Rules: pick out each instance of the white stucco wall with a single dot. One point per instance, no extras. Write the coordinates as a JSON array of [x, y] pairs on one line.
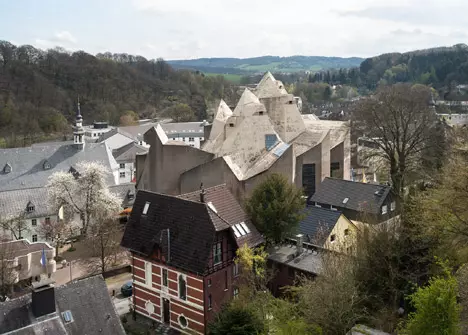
[[195, 143]]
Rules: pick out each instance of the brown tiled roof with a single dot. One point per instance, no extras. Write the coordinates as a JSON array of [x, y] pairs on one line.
[[229, 210]]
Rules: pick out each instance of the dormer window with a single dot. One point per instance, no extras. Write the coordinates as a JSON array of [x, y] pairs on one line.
[[145, 209], [30, 207], [231, 125], [46, 165], [7, 168]]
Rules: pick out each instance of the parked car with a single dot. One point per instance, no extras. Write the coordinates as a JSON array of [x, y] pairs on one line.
[[127, 289]]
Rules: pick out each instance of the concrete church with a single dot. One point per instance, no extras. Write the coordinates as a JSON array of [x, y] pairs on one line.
[[264, 134]]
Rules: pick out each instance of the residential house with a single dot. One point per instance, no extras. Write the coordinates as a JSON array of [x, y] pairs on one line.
[[80, 307], [125, 157], [264, 134], [24, 260], [182, 255], [97, 129], [29, 207], [359, 202], [320, 231], [191, 133]]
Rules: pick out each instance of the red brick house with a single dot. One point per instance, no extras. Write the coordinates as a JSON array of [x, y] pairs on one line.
[[182, 254]]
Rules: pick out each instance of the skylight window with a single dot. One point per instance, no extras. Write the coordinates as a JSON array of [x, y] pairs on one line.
[[236, 232], [247, 230], [67, 316], [345, 200], [145, 209], [212, 207], [241, 230]]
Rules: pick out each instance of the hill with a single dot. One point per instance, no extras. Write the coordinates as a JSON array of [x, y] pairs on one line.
[[248, 66], [39, 89]]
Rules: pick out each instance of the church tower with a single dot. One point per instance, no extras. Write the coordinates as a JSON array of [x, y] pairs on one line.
[[78, 131]]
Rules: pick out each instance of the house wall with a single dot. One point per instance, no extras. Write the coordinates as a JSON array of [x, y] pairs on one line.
[[34, 231], [152, 293], [284, 276], [30, 266], [192, 140], [342, 243], [128, 170], [142, 180]]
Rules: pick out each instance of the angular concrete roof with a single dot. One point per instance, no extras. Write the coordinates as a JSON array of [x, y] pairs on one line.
[[269, 87], [248, 105], [223, 113]]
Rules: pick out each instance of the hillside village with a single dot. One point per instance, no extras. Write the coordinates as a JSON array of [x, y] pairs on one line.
[[261, 216]]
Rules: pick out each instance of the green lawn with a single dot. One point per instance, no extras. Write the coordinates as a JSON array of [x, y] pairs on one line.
[[235, 78]]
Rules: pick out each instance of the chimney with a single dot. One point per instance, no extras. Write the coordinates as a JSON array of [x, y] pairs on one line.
[[202, 195], [43, 298], [299, 242]]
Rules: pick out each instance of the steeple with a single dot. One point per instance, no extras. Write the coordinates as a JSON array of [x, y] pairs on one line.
[[78, 132]]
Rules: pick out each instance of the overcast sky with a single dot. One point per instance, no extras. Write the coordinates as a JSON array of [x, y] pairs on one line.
[[181, 29]]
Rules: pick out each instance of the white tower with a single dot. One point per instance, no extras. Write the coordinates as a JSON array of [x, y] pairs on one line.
[[78, 132]]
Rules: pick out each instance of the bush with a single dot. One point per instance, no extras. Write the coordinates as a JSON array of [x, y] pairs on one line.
[[236, 320]]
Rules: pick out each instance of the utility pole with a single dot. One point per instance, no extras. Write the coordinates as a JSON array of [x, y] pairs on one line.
[[71, 270]]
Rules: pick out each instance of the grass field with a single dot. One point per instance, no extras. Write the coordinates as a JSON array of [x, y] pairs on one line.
[[235, 78]]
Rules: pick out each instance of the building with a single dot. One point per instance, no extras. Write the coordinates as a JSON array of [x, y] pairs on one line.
[[182, 255], [264, 134], [31, 207], [30, 167], [191, 133], [125, 157], [79, 307], [97, 129], [359, 202], [454, 119], [24, 260]]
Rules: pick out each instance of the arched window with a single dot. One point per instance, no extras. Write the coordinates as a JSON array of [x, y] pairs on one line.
[[182, 288]]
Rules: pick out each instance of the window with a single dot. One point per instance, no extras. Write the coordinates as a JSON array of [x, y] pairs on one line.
[[225, 280], [235, 292], [291, 272], [217, 253], [67, 316], [182, 288], [332, 238], [260, 113], [34, 238], [235, 269], [191, 139], [346, 232], [393, 206], [270, 141], [122, 174], [145, 209], [209, 282], [164, 280], [209, 302], [148, 274], [47, 220], [34, 222], [122, 165], [345, 200], [30, 208], [384, 209], [183, 139], [231, 125]]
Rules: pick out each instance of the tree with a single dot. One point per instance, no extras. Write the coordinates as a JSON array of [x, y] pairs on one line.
[[15, 225], [104, 238], [437, 311], [275, 208], [53, 231], [129, 118], [8, 272], [400, 120], [180, 113], [236, 320], [85, 193]]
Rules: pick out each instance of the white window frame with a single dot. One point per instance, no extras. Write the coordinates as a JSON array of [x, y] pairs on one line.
[[148, 274], [180, 323], [34, 238], [164, 286], [392, 206], [122, 174], [214, 251], [384, 209], [34, 222], [122, 166]]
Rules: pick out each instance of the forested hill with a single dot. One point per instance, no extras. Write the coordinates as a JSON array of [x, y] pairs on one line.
[[246, 66], [39, 89], [439, 67]]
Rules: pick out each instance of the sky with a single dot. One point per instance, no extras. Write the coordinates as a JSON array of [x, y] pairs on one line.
[[185, 29]]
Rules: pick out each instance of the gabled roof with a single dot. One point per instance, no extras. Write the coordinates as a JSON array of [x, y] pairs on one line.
[[125, 192], [28, 163], [183, 129], [113, 132], [269, 87], [248, 105], [191, 226], [88, 301], [13, 203], [229, 210], [361, 197], [317, 224], [128, 152]]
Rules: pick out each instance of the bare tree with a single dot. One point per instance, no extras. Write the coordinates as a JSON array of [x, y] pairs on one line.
[[15, 225], [85, 193], [54, 231], [8, 271], [399, 117]]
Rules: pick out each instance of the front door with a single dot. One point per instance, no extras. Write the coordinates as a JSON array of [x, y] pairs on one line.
[[166, 311]]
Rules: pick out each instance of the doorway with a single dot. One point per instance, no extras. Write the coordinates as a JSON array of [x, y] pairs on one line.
[[166, 311]]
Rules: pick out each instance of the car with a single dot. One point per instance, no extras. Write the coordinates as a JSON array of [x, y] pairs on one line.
[[127, 289]]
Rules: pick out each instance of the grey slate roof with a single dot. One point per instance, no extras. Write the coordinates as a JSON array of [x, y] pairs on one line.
[[27, 164], [13, 203], [183, 129], [126, 192], [361, 196], [318, 224], [309, 261], [112, 132], [128, 152], [88, 301]]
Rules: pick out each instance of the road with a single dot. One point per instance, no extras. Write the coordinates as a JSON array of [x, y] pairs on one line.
[[122, 304]]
